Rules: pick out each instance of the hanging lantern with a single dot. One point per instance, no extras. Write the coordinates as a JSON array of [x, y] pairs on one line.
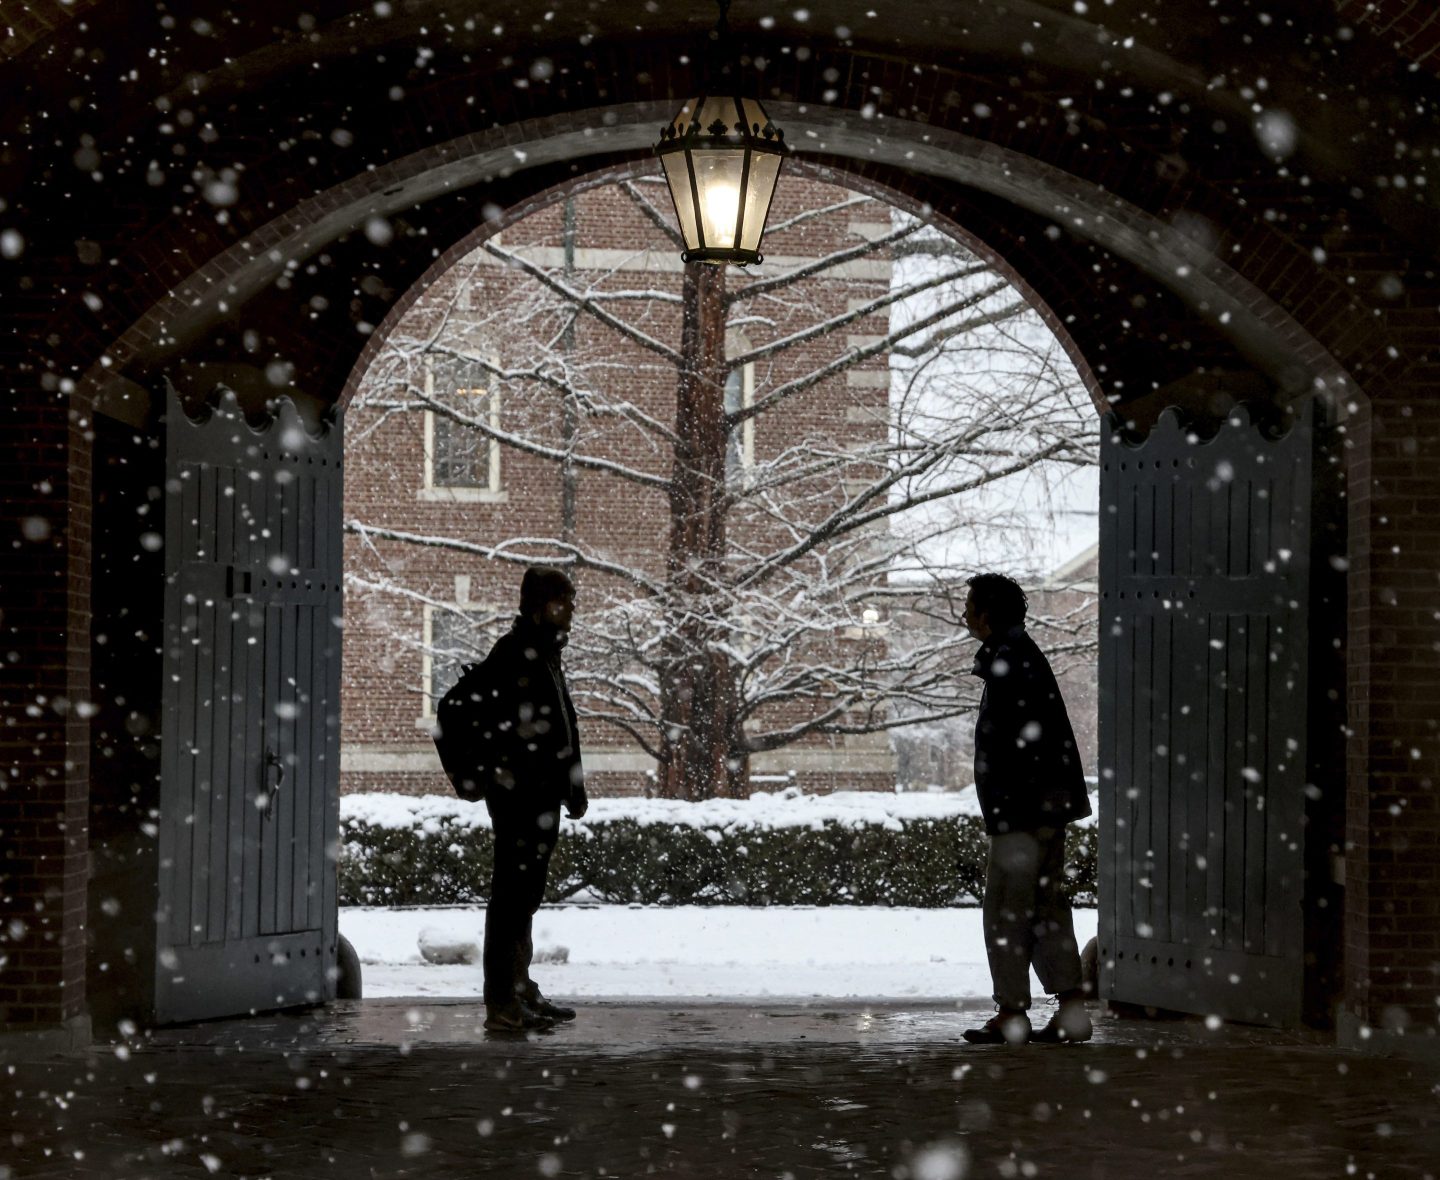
[[722, 158]]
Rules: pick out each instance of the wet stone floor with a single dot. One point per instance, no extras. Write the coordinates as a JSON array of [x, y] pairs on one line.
[[378, 1089]]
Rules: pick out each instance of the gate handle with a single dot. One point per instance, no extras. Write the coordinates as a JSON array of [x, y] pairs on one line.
[[271, 759]]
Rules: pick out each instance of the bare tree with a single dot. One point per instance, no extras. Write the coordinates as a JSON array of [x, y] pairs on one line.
[[800, 505]]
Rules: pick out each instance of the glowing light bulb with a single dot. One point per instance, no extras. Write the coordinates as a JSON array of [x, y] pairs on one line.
[[722, 204]]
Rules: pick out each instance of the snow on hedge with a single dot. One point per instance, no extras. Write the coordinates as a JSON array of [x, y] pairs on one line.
[[764, 809]]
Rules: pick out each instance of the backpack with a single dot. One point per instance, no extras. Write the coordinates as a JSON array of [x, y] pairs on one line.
[[461, 732]]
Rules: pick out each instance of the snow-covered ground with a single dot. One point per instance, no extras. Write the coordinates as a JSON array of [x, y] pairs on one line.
[[712, 952], [634, 952]]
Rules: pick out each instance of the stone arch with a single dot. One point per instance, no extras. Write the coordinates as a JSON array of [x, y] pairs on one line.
[[1011, 121]]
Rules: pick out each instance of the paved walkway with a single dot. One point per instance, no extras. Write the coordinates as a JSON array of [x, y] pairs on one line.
[[389, 1088]]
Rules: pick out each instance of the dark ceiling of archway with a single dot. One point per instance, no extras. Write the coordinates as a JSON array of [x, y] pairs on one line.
[[1132, 331], [185, 126]]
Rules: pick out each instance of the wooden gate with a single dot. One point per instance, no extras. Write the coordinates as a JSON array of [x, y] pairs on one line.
[[1205, 569], [250, 713]]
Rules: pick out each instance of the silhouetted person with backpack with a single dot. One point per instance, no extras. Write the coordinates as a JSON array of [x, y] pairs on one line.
[[1030, 784], [507, 733]]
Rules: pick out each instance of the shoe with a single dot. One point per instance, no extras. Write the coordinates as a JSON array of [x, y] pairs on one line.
[[553, 1011], [515, 1017], [1004, 1028], [1070, 1025]]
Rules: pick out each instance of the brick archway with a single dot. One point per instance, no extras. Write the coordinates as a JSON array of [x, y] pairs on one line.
[[1100, 153], [970, 182]]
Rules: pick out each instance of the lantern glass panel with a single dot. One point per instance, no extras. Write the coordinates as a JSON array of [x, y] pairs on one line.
[[760, 188], [718, 173], [677, 177], [712, 108], [753, 114]]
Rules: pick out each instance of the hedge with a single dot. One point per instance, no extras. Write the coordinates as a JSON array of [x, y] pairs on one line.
[[930, 862]]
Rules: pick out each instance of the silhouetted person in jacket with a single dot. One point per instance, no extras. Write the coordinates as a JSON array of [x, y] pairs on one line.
[[519, 746], [1030, 784]]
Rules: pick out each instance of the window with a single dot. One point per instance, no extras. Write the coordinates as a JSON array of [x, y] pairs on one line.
[[454, 636], [740, 447], [461, 462]]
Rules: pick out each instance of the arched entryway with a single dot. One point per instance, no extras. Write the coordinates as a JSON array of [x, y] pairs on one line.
[[1152, 211], [272, 878]]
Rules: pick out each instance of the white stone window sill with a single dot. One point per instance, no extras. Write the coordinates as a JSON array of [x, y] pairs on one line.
[[463, 496]]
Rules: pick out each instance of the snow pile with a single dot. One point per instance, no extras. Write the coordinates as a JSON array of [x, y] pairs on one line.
[[445, 948]]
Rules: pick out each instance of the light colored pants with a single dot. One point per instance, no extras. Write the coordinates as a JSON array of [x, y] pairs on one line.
[[1027, 916]]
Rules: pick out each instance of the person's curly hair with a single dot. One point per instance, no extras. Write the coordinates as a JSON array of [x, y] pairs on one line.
[[999, 598]]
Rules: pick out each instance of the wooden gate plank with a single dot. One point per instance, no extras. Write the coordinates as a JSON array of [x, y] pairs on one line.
[[1140, 792], [257, 713], [316, 713], [182, 886], [251, 899], [1162, 738], [1237, 686], [208, 738], [1107, 686], [271, 759], [1188, 861], [304, 769], [1255, 772], [282, 809], [209, 744], [227, 766], [334, 566], [227, 839], [1216, 743], [327, 534]]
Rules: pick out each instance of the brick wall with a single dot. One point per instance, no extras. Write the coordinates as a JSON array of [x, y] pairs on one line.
[[44, 692], [1392, 857]]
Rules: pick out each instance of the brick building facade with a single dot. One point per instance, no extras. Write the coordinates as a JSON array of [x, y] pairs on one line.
[[1063, 614], [415, 613]]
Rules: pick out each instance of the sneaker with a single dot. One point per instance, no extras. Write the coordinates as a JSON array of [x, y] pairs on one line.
[[1070, 1025], [1004, 1028], [550, 1009], [515, 1017]]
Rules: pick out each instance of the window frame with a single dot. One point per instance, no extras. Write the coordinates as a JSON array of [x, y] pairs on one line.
[[746, 471], [492, 491], [429, 698]]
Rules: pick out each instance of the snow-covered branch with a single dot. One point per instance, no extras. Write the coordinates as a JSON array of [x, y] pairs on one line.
[[583, 301]]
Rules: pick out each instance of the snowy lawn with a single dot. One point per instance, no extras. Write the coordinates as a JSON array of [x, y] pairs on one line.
[[717, 953]]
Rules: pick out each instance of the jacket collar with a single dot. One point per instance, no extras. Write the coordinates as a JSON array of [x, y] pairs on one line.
[[548, 641], [991, 647]]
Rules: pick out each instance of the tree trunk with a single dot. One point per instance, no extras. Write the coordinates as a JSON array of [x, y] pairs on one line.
[[702, 755]]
